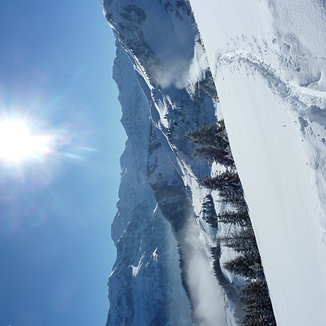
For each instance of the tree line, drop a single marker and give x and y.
(211, 144)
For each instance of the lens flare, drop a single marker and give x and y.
(46, 143)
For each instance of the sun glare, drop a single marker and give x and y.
(17, 144)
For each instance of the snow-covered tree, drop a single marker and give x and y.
(212, 144)
(244, 265)
(238, 217)
(216, 255)
(241, 241)
(227, 183)
(232, 200)
(209, 211)
(213, 135)
(257, 304)
(212, 154)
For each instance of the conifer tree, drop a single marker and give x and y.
(211, 154)
(216, 255)
(209, 210)
(227, 183)
(237, 201)
(239, 217)
(243, 265)
(212, 221)
(208, 205)
(257, 304)
(241, 241)
(254, 291)
(212, 144)
(244, 242)
(216, 252)
(213, 135)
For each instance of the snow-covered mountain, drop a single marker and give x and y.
(144, 286)
(268, 64)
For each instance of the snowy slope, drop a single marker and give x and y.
(269, 66)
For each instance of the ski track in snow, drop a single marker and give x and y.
(308, 106)
(306, 102)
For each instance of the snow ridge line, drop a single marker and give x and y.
(303, 100)
(307, 104)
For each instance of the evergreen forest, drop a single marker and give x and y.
(211, 144)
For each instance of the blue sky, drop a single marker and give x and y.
(55, 214)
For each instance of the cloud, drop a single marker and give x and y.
(205, 292)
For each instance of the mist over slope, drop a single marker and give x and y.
(269, 73)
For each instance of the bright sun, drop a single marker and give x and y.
(17, 144)
(15, 140)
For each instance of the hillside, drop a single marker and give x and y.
(254, 65)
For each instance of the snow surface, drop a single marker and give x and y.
(269, 65)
